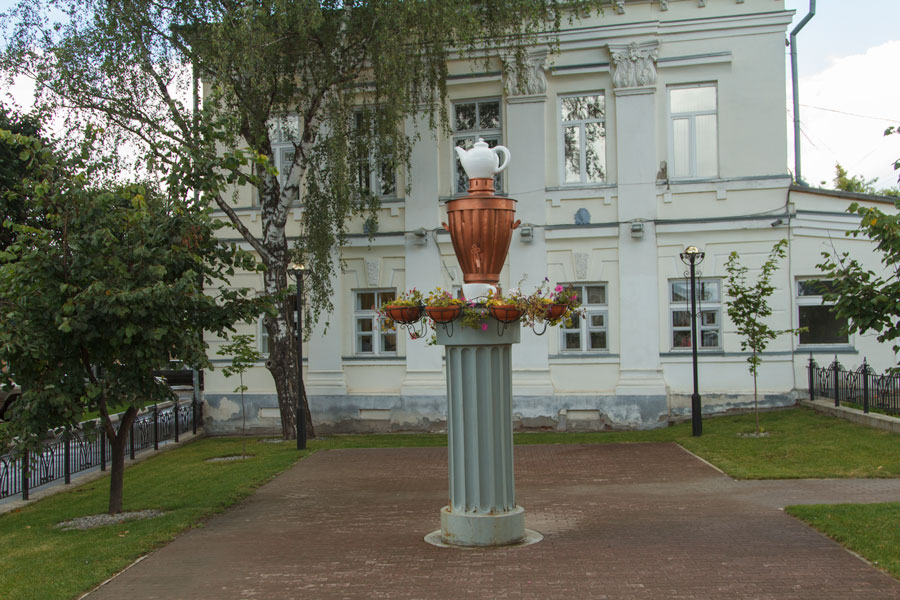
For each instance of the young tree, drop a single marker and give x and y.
(242, 351)
(748, 305)
(867, 299)
(103, 291)
(336, 78)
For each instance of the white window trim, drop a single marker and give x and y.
(692, 130)
(562, 144)
(702, 307)
(476, 133)
(374, 175)
(358, 313)
(814, 301)
(584, 327)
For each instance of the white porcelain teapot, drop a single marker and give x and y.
(481, 161)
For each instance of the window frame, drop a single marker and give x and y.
(584, 327)
(814, 300)
(489, 135)
(708, 306)
(561, 140)
(374, 178)
(692, 131)
(377, 333)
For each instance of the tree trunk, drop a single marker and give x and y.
(282, 362)
(755, 401)
(118, 443)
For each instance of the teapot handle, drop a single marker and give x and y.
(505, 152)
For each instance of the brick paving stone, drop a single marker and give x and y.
(620, 521)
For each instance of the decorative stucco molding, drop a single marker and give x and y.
(581, 265)
(663, 4)
(528, 79)
(635, 64)
(372, 273)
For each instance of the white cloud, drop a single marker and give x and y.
(862, 84)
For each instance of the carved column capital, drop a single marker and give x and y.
(635, 64)
(529, 78)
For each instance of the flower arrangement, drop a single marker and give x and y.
(442, 307)
(543, 306)
(406, 308)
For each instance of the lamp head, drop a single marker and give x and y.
(297, 268)
(692, 255)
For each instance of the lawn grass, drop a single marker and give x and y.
(867, 529)
(802, 443)
(41, 562)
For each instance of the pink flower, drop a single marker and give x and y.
(559, 288)
(484, 326)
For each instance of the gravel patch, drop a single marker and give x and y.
(227, 458)
(93, 521)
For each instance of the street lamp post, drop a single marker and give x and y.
(693, 257)
(298, 271)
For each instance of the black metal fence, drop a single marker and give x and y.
(861, 386)
(71, 452)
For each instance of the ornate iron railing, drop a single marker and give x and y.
(70, 452)
(861, 386)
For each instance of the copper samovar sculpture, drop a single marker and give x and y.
(481, 223)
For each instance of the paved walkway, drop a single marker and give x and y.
(619, 521)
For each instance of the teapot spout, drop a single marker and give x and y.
(460, 151)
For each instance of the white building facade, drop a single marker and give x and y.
(656, 126)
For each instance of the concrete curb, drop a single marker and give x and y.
(875, 420)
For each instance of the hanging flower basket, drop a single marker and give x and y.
(404, 315)
(443, 314)
(555, 311)
(506, 313)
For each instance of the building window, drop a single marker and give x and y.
(380, 180)
(282, 133)
(475, 119)
(589, 333)
(371, 337)
(693, 134)
(709, 313)
(583, 129)
(814, 314)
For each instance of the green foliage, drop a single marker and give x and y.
(868, 300)
(15, 161)
(105, 288)
(748, 306)
(859, 185)
(242, 351)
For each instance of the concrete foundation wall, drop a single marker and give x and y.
(384, 414)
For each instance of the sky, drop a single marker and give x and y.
(848, 57)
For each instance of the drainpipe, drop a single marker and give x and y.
(796, 30)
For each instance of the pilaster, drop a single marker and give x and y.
(424, 371)
(526, 113)
(634, 78)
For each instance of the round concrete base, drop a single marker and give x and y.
(467, 529)
(531, 537)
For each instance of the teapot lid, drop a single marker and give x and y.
(480, 143)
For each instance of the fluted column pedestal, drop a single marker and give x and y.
(482, 510)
